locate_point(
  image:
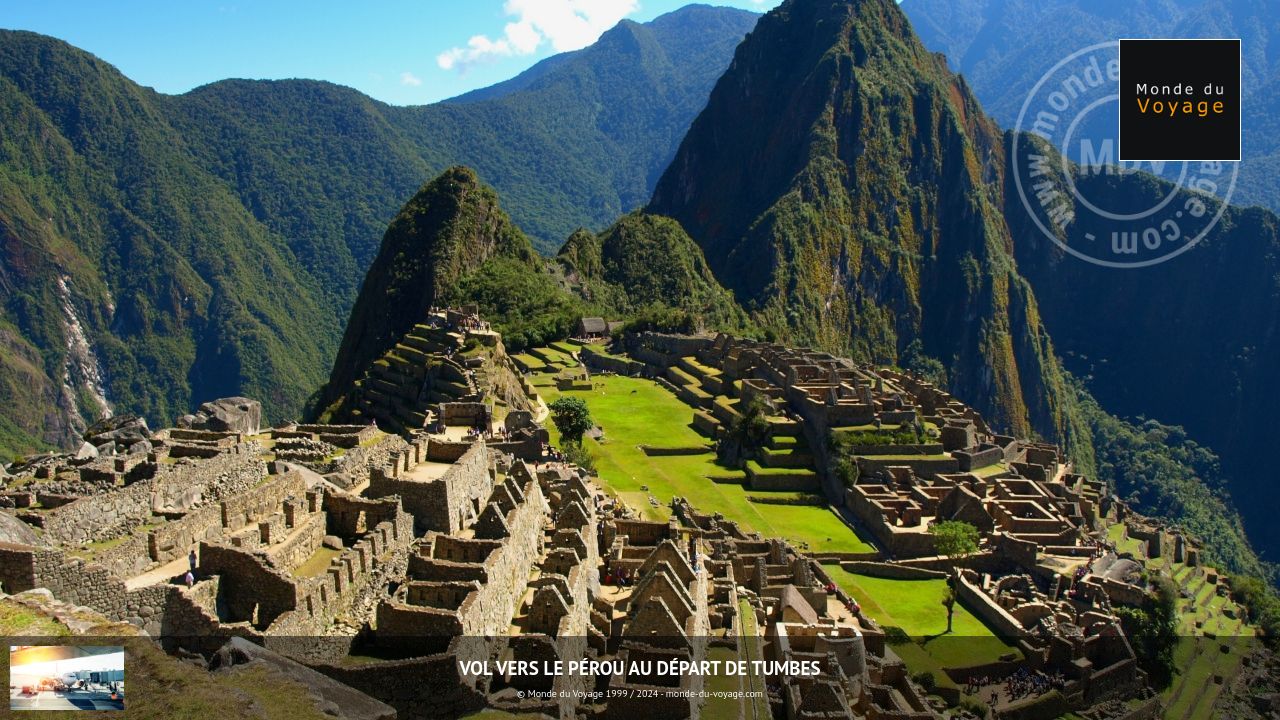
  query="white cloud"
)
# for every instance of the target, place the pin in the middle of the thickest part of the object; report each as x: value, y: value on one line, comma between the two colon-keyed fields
x: 564, y: 24
x: 408, y: 78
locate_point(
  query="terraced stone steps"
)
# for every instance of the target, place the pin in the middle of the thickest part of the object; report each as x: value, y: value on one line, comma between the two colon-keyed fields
x: 422, y: 369
x: 763, y: 478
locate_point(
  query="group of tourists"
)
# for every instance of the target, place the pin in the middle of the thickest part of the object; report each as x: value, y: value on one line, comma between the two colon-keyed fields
x: 1019, y: 684
x: 621, y: 578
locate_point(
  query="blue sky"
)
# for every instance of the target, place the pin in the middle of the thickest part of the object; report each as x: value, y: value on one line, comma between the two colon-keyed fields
x: 401, y: 52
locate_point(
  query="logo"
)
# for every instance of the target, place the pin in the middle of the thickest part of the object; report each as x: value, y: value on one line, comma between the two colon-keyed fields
x: 1067, y: 170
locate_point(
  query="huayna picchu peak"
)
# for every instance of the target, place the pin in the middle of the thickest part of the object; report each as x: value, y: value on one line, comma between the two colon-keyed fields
x: 838, y: 182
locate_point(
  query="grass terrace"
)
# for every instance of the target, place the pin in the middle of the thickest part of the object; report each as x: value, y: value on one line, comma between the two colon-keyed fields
x: 634, y: 412
x: 916, y: 607
x: 17, y: 620
x: 1211, y: 643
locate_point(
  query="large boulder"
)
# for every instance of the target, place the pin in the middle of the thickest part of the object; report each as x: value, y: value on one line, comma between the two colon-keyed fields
x: 232, y: 414
x: 13, y: 530
x: 117, y: 434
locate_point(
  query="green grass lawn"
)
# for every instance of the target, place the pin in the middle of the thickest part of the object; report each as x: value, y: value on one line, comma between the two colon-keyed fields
x: 634, y: 412
x: 990, y: 470
x: 1116, y: 534
x: 317, y: 564
x: 17, y: 620
x: 749, y: 644
x: 916, y: 607
x: 532, y: 363
x: 722, y: 708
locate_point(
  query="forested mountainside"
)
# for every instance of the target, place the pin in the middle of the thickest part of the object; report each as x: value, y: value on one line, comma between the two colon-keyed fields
x: 1193, y: 340
x: 451, y: 226
x: 453, y: 244
x: 131, y: 275
x: 1002, y: 47
x: 854, y: 210
x: 160, y: 250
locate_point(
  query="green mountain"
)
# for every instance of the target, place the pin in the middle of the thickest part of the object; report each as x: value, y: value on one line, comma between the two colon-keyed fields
x: 643, y: 262
x: 866, y: 208
x: 451, y: 227
x: 1004, y: 46
x: 131, y: 275
x: 160, y: 251
x: 327, y: 166
x: 854, y: 210
x: 453, y: 244
x: 1194, y: 340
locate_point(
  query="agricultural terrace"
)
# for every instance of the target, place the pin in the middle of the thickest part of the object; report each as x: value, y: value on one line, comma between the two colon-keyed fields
x: 633, y: 412
x: 916, y: 607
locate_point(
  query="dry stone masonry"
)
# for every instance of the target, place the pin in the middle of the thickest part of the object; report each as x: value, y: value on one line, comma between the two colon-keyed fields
x: 433, y: 529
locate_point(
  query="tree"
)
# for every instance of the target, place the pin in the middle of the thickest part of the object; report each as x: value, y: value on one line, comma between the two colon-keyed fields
x: 955, y: 540
x: 949, y: 602
x: 1152, y: 631
x: 572, y: 418
x: 747, y: 432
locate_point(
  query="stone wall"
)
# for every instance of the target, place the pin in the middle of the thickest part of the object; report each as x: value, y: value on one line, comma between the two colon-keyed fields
x: 164, y: 611
x: 487, y: 608
x: 443, y: 504
x: 172, y: 539
x: 423, y: 688
x: 351, y: 578
x: 351, y: 516
x: 359, y: 461
x: 895, y: 543
x: 249, y: 507
x: 447, y: 452
x: 129, y: 558
x: 109, y: 515
x: 979, y: 458
x: 300, y: 544
x: 249, y: 589
x: 610, y: 363
x: 227, y: 473
x: 17, y: 568
x: 981, y: 605
x: 100, y: 517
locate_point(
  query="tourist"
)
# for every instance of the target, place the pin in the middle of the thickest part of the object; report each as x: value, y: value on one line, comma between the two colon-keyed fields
x: 191, y: 558
x: 190, y: 579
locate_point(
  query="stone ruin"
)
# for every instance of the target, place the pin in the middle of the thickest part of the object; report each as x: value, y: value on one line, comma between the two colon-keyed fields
x: 381, y: 561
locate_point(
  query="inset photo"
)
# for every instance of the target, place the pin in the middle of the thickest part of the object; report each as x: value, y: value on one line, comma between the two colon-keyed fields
x: 66, y: 677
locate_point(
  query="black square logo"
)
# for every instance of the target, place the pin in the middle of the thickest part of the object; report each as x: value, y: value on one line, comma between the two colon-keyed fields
x: 1179, y: 100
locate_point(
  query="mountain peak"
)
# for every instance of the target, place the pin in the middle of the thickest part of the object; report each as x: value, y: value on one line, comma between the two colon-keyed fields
x: 852, y: 210
x: 451, y: 225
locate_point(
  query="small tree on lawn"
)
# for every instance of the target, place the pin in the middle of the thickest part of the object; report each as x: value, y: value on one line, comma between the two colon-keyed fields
x: 955, y: 540
x: 572, y: 418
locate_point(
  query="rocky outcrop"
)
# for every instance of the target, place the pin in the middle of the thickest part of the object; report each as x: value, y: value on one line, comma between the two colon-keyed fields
x: 13, y: 530
x: 332, y: 697
x: 115, y: 435
x: 232, y: 414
